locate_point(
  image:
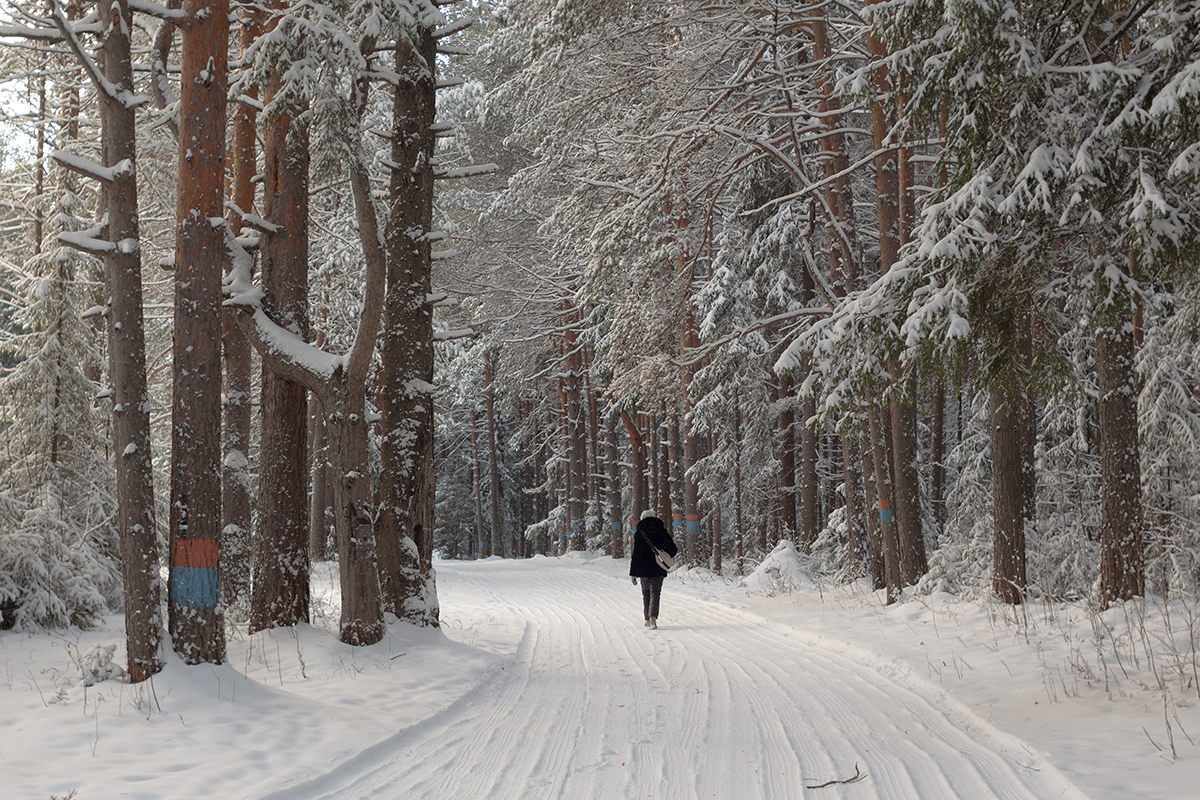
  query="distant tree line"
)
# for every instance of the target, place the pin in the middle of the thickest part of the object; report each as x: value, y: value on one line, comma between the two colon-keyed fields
x: 909, y: 284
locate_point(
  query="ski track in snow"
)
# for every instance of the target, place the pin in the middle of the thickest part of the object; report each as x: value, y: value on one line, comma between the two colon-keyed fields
x: 717, y: 703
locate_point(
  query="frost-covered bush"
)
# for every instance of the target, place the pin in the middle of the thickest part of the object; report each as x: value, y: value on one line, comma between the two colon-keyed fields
x: 781, y: 571
x: 55, y: 571
x: 96, y: 665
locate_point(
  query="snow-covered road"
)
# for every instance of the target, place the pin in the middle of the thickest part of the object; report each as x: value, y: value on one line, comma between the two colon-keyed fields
x: 717, y: 703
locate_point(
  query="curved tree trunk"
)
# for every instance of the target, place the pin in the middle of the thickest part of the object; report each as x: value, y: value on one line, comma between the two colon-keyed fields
x: 340, y: 386
x: 281, y: 558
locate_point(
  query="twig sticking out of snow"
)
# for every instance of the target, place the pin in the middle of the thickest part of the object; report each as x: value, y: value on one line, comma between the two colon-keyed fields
x: 855, y: 778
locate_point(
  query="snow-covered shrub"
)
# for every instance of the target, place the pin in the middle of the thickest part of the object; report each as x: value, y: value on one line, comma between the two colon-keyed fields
x: 57, y: 572
x: 782, y: 571
x: 96, y: 665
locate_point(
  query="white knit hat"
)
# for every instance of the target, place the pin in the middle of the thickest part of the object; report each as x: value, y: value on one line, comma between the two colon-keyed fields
x: 647, y: 513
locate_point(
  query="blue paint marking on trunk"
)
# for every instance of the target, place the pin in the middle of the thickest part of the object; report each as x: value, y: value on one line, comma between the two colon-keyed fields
x: 885, y: 515
x: 693, y: 527
x: 195, y: 587
x: 616, y: 526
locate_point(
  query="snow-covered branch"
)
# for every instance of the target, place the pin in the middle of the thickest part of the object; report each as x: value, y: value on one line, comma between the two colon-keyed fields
x: 90, y: 169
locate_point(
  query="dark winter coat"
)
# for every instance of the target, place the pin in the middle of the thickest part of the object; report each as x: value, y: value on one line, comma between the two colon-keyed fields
x: 642, y: 563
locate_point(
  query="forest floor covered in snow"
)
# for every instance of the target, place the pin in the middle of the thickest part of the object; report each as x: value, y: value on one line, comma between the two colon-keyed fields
x: 543, y: 683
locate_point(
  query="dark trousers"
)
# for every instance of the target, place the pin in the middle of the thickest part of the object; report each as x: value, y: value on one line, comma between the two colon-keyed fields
x: 651, y: 593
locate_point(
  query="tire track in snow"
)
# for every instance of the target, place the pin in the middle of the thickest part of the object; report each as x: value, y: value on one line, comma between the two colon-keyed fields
x: 718, y: 703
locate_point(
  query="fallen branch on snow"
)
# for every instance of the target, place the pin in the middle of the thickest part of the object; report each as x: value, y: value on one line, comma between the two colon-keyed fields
x: 855, y: 778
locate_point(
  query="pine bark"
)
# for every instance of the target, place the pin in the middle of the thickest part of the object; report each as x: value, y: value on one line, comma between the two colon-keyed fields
x: 856, y: 532
x: 662, y: 473
x: 406, y: 513
x: 810, y: 508
x: 675, y: 462
x: 913, y: 562
x: 1122, y: 559
x: 844, y: 276
x: 127, y: 361
x: 482, y: 548
x: 1008, y: 495
x: 896, y: 554
x: 195, y: 617
x: 320, y: 498
x: 281, y: 559
x: 342, y: 396
x: 616, y: 517
x: 497, y: 507
x: 236, y: 521
x: 637, y: 469
x: 889, y: 542
x: 785, y: 422
x: 938, y: 455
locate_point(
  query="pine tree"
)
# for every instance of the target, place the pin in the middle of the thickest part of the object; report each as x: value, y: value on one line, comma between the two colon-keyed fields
x: 59, y: 561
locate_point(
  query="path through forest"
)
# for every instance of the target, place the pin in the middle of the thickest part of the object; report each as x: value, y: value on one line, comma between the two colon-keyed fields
x: 717, y: 703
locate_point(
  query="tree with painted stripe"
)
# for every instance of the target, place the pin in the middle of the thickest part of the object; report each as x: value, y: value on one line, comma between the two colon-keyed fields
x: 195, y: 617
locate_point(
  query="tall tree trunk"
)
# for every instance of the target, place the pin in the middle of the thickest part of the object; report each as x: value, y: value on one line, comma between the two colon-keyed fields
x: 489, y: 381
x: 874, y: 533
x: 675, y: 461
x: 662, y: 475
x: 195, y: 616
x: 845, y: 277
x: 406, y: 514
x: 785, y: 422
x: 39, y: 166
x: 905, y: 451
x: 637, y: 469
x: 716, y: 541
x: 889, y: 543
x: 127, y: 359
x: 739, y: 546
x: 569, y: 523
x: 340, y: 386
x: 236, y: 548
x: 616, y: 517
x: 362, y: 619
x: 913, y: 563
x: 576, y: 444
x: 888, y: 190
x: 321, y: 497
x: 938, y: 455
x: 691, y: 497
x: 591, y: 405
x: 810, y: 510
x: 1122, y: 559
x: 482, y: 550
x: 1008, y: 495
x: 281, y: 565
x: 856, y: 529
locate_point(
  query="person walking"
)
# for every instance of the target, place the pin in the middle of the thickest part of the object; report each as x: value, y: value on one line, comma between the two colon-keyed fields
x: 651, y: 534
